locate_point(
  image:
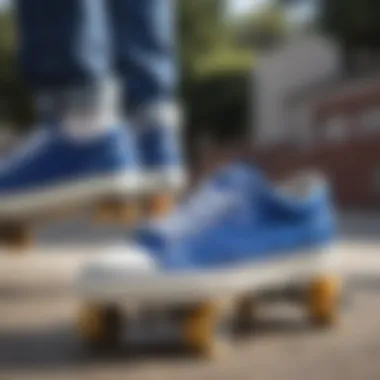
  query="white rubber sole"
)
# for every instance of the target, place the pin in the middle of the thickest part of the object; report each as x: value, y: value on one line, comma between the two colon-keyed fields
x: 115, y: 283
x: 59, y: 196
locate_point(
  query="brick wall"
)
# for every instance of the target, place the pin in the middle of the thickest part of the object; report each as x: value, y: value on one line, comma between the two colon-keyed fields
x: 351, y: 168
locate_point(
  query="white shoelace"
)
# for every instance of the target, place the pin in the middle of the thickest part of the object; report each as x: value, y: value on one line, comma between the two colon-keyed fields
x: 29, y: 146
x: 202, y: 210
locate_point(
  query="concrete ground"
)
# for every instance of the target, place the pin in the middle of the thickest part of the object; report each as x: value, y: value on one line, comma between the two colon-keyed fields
x: 38, y: 340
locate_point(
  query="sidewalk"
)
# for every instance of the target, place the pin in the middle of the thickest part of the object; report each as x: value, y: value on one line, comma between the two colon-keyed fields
x: 57, y: 267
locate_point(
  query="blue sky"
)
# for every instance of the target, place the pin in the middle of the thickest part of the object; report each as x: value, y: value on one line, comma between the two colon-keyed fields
x: 237, y: 7
x: 3, y: 4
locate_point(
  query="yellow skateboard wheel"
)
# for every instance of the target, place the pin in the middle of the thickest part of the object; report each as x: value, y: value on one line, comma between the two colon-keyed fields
x: 116, y: 211
x: 324, y: 300
x: 99, y: 325
x: 200, y: 330
x: 160, y: 204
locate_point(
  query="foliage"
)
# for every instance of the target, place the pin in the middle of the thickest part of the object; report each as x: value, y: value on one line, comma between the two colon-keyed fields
x: 221, y: 104
x: 215, y: 70
x: 200, y: 29
x: 264, y: 28
x: 352, y: 22
x: 15, y: 103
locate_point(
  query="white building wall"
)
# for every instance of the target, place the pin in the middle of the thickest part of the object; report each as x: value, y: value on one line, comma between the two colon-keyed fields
x: 300, y: 62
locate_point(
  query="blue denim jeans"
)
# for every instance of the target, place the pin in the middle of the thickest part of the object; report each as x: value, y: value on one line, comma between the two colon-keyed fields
x: 77, y: 43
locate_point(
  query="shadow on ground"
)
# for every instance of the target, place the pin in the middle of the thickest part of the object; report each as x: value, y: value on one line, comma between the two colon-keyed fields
x: 59, y: 348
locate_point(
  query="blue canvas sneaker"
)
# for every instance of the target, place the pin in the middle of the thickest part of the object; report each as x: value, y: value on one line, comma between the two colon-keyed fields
x: 54, y: 170
x: 237, y: 232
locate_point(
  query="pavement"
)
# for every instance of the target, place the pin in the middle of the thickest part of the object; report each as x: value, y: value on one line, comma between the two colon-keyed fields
x: 38, y: 308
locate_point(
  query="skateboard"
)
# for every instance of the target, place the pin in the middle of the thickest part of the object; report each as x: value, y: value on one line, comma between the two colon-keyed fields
x: 206, y: 307
x: 16, y: 231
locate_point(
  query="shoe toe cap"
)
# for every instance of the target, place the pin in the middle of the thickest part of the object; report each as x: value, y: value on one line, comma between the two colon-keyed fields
x: 117, y: 262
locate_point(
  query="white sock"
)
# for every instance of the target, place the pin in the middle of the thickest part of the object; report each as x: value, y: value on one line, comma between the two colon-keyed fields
x: 163, y: 113
x: 87, y: 113
x: 103, y: 115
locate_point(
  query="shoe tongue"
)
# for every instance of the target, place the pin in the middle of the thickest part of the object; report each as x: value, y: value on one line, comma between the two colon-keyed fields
x: 237, y: 176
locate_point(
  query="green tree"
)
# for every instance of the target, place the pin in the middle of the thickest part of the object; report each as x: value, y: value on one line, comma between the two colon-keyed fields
x: 263, y: 29
x: 352, y: 22
x: 216, y: 70
x: 15, y: 102
x: 201, y: 27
